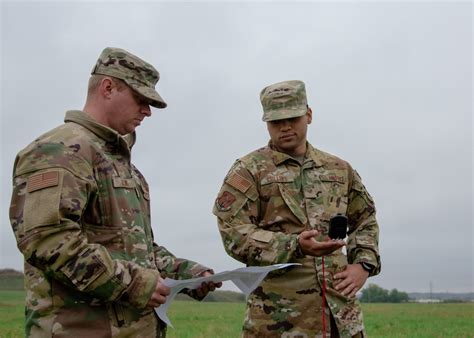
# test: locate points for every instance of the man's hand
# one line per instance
(206, 287)
(351, 280)
(310, 246)
(159, 295)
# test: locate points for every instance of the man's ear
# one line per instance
(106, 86)
(309, 113)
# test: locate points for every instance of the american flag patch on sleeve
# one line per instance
(238, 182)
(43, 180)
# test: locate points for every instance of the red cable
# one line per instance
(324, 300)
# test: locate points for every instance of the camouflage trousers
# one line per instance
(290, 305)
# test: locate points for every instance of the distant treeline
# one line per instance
(11, 279)
(375, 294)
(443, 296)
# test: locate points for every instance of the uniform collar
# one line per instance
(311, 155)
(315, 155)
(278, 157)
(104, 132)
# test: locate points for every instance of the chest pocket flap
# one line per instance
(286, 192)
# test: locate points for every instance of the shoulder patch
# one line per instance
(238, 182)
(225, 201)
(43, 180)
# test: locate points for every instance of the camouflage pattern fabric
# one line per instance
(283, 100)
(80, 212)
(267, 199)
(137, 73)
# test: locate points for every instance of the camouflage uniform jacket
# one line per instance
(80, 212)
(267, 199)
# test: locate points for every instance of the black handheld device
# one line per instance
(338, 227)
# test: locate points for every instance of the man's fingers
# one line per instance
(206, 287)
(305, 235)
(200, 293)
(324, 248)
(341, 275)
(331, 244)
(349, 290)
(159, 294)
(342, 284)
(161, 299)
(212, 287)
(351, 280)
(354, 291)
(162, 289)
(156, 300)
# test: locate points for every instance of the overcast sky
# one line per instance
(390, 85)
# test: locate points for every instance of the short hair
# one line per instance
(96, 79)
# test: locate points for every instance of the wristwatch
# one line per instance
(367, 267)
(299, 251)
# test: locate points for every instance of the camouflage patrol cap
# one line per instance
(135, 72)
(283, 100)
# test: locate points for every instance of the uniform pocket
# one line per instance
(84, 269)
(107, 236)
(262, 236)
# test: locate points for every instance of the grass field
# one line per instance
(193, 319)
(12, 312)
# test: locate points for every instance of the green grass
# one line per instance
(198, 320)
(419, 320)
(194, 319)
(12, 313)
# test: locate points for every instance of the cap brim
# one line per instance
(281, 114)
(155, 99)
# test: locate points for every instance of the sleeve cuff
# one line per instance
(143, 287)
(369, 258)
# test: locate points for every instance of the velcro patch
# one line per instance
(238, 182)
(225, 201)
(331, 178)
(119, 182)
(43, 180)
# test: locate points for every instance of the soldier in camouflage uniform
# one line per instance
(80, 211)
(275, 206)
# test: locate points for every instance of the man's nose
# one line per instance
(146, 110)
(285, 125)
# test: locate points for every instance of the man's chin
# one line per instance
(131, 129)
(286, 148)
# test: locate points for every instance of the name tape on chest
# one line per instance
(332, 178)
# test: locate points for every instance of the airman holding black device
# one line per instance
(290, 202)
(338, 227)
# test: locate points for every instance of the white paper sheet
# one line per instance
(246, 279)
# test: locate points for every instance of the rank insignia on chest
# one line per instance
(225, 201)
